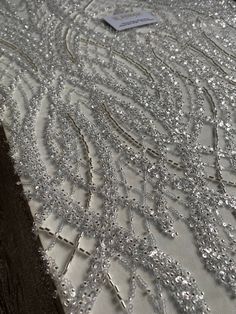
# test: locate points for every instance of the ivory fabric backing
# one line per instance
(125, 143)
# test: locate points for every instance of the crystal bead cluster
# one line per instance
(137, 124)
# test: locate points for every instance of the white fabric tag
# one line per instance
(129, 20)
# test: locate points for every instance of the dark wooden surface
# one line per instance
(24, 285)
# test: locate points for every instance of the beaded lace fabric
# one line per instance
(126, 147)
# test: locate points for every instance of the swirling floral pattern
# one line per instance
(126, 146)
